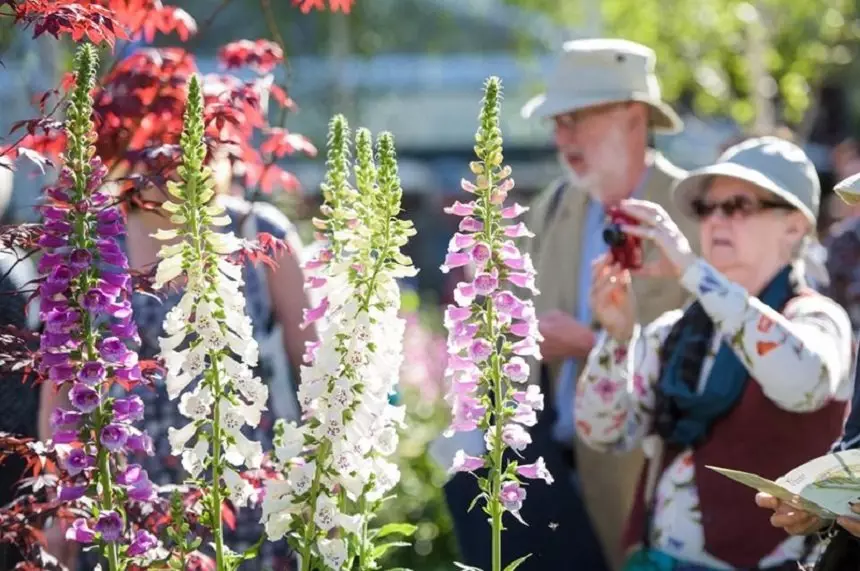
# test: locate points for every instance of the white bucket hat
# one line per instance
(775, 165)
(597, 72)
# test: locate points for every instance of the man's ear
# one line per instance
(638, 116)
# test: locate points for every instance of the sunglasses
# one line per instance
(742, 206)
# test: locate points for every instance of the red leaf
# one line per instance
(68, 17)
(228, 515)
(67, 82)
(335, 5)
(262, 55)
(281, 142)
(281, 97)
(177, 20)
(276, 177)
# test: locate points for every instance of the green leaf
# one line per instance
(380, 550)
(404, 529)
(514, 564)
(467, 567)
(475, 501)
(254, 550)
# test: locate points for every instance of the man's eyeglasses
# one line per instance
(742, 206)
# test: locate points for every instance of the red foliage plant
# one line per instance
(138, 110)
(139, 104)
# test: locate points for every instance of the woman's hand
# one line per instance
(851, 525)
(612, 299)
(793, 520)
(655, 225)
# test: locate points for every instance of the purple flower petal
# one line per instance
(80, 532)
(114, 436)
(143, 542)
(110, 526)
(84, 398)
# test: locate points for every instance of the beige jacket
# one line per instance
(608, 481)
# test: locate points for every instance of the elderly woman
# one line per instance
(752, 375)
(842, 549)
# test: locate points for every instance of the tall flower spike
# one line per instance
(351, 426)
(490, 330)
(209, 349)
(85, 306)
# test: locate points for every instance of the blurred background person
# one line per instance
(754, 375)
(19, 396)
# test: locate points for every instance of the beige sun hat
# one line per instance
(596, 72)
(849, 190)
(772, 164)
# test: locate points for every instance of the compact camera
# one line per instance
(625, 250)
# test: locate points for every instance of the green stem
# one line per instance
(87, 280)
(496, 466)
(362, 549)
(310, 527)
(217, 521)
(107, 502)
(498, 396)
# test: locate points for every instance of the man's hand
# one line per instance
(563, 336)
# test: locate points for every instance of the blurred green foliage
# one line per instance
(703, 46)
(418, 498)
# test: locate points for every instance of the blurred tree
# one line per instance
(731, 57)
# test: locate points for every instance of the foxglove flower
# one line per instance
(351, 426)
(490, 329)
(85, 296)
(208, 350)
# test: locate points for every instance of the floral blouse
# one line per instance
(801, 359)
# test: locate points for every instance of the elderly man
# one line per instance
(604, 101)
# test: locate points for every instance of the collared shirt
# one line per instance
(593, 246)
